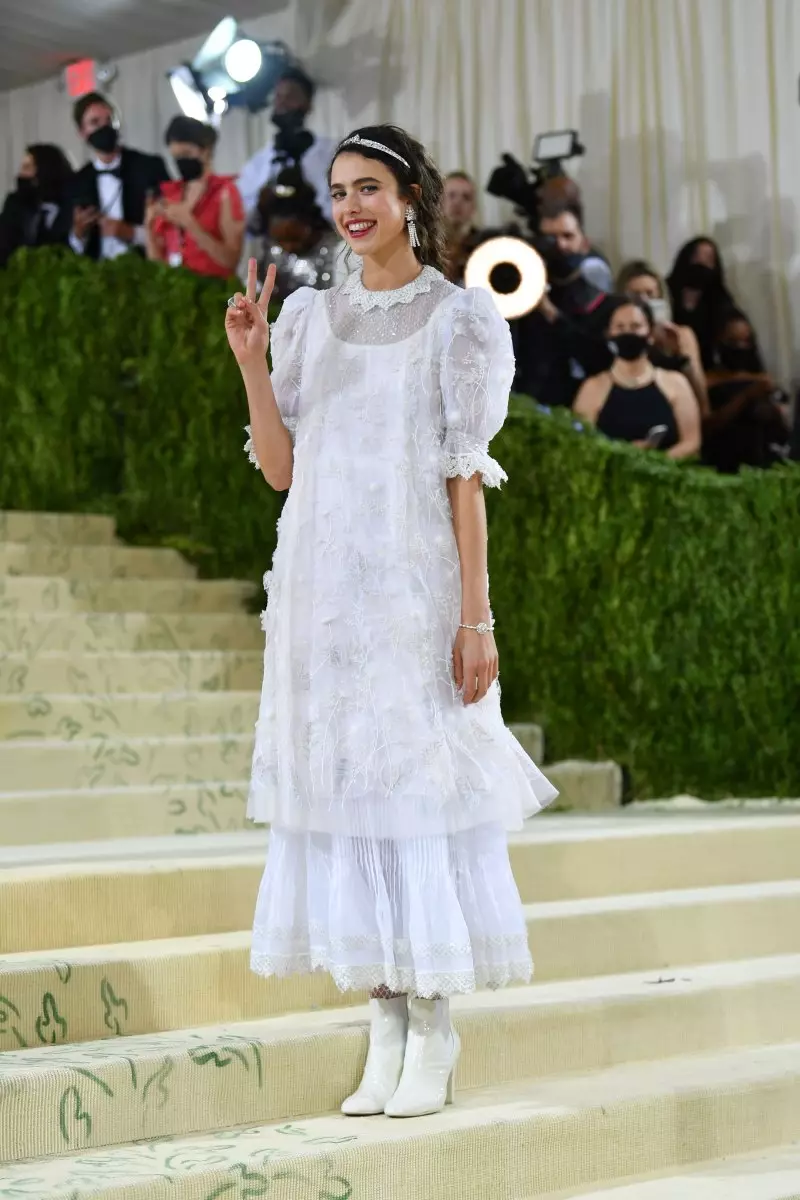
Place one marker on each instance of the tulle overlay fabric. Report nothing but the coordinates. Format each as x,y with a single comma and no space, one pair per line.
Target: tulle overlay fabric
433,916
365,753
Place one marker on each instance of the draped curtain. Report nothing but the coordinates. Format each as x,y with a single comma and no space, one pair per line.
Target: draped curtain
688,110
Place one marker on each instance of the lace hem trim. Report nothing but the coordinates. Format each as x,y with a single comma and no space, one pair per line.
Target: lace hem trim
365,300
475,462
249,448
426,985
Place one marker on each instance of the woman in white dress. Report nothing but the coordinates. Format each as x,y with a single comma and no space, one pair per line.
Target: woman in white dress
381,760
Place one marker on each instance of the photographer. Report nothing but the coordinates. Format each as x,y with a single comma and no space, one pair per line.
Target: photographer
294,145
562,342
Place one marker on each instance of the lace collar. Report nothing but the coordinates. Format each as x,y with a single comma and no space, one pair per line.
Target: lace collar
364,299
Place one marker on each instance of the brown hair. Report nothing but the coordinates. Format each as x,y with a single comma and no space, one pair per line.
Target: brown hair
421,170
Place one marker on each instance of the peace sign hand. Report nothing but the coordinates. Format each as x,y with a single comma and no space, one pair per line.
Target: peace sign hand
246,319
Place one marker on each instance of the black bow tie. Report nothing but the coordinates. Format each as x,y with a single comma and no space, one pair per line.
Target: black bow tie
115,172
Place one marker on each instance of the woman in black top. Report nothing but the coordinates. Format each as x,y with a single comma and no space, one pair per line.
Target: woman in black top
635,401
36,213
747,425
699,293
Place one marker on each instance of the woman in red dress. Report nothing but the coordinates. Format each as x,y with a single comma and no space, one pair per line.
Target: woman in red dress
197,222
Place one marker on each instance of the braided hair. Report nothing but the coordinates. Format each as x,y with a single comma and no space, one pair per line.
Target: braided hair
421,170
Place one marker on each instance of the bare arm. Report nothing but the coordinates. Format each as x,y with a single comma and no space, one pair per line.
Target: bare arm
591,397
271,440
227,249
248,335
687,416
475,660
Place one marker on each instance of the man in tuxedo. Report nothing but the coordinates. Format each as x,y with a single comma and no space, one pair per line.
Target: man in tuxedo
110,193
294,145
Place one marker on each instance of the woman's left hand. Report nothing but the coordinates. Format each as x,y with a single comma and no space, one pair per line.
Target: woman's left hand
475,664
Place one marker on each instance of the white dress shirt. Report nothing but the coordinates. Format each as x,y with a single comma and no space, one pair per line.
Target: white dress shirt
109,191
264,165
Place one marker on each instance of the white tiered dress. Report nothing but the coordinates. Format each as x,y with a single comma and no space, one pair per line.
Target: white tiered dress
388,798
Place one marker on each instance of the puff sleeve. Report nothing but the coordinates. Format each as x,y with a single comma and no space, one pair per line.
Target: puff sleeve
287,340
477,370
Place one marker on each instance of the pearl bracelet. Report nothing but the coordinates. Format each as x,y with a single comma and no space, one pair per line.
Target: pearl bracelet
481,627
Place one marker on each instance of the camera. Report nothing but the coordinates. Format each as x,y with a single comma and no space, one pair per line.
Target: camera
511,181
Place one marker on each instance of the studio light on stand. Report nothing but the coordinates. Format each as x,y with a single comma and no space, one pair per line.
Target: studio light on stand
230,70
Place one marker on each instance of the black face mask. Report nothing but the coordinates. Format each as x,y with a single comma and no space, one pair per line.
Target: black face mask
189,168
629,346
739,358
289,122
105,139
698,276
28,191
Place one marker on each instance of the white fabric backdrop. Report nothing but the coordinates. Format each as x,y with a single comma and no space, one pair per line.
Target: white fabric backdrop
688,108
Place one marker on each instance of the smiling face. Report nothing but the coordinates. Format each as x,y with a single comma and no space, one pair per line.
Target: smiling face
368,210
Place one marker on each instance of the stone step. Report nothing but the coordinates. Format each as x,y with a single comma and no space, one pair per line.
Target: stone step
641,1117
137,809
108,674
84,814
73,904
91,633
100,761
771,1176
93,562
303,1064
75,716
85,529
40,593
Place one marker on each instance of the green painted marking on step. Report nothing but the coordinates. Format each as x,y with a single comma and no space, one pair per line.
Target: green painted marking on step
115,1008
71,1110
50,1025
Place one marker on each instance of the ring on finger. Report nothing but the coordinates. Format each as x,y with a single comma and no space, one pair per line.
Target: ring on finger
232,302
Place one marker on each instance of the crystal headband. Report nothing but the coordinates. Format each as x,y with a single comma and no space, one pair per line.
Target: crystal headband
359,141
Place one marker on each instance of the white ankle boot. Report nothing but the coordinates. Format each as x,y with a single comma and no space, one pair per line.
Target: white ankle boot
432,1050
387,1046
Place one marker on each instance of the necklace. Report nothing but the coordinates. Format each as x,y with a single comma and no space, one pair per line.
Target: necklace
647,376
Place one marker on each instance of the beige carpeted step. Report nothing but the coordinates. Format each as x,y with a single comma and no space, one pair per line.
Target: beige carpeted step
771,1176
147,671
52,906
77,716
101,761
89,633
93,562
302,1064
86,529
41,593
513,1141
28,818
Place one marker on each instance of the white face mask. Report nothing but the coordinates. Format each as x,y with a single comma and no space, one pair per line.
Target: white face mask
660,310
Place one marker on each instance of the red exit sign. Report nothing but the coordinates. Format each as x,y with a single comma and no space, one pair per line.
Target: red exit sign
81,77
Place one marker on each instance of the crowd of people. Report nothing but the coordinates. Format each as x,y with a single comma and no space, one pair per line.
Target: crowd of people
671,365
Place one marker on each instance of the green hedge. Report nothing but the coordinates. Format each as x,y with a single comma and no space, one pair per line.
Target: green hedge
118,394
646,612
